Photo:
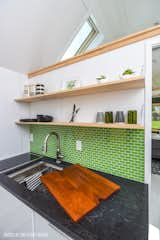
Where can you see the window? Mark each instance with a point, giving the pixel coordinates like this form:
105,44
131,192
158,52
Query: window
156,108
83,39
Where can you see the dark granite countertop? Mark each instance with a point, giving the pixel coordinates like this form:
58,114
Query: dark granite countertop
124,216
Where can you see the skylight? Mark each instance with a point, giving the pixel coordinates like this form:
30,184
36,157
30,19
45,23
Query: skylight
83,39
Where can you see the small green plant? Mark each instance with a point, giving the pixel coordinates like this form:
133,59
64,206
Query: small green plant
71,84
101,77
127,72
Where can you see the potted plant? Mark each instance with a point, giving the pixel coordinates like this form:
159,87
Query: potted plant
71,84
128,73
101,78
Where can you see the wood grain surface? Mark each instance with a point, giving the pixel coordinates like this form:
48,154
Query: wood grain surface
78,190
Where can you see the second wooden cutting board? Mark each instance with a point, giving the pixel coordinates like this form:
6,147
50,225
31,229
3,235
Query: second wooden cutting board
78,189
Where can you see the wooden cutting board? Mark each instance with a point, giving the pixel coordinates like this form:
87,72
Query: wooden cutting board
78,190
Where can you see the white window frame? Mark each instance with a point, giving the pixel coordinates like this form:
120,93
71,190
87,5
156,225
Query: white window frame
88,40
93,34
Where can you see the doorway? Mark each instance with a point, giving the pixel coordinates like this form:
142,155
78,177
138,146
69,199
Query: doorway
154,213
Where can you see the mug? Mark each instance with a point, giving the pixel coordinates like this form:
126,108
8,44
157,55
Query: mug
100,117
108,117
132,117
119,117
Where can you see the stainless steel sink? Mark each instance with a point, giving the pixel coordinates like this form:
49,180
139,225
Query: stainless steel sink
30,175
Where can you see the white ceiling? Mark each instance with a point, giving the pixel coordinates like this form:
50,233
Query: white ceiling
36,33
118,18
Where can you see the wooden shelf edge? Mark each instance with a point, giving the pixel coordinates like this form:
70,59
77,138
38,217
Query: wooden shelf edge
116,85
156,96
156,89
155,104
155,130
84,124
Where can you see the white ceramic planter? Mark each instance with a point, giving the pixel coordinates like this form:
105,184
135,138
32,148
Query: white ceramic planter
101,81
128,76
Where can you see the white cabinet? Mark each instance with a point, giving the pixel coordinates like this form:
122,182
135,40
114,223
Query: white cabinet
16,219
44,230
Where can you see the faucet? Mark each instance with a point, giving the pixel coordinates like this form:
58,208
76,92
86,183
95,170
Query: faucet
59,157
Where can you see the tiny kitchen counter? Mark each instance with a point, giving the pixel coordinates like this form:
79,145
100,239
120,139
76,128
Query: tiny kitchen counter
124,216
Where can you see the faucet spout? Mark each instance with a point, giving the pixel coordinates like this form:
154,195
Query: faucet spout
59,157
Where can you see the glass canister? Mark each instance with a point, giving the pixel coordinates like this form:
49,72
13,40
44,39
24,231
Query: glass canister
108,117
132,117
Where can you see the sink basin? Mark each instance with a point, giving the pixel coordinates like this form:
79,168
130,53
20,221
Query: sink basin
30,175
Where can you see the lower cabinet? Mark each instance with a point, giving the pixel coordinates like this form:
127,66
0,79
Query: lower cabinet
44,230
17,221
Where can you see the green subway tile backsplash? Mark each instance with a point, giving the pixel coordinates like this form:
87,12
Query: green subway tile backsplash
116,151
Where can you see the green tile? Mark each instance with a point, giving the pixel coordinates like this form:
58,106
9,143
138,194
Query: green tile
115,151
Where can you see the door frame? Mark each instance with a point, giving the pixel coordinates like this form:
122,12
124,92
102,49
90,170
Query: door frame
149,45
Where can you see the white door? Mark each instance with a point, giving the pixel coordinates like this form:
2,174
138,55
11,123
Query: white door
16,219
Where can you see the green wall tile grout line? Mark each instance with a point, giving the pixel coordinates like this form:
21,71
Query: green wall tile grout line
116,151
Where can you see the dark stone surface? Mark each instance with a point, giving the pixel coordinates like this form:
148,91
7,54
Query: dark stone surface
124,216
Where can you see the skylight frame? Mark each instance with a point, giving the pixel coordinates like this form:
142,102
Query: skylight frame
70,52
92,35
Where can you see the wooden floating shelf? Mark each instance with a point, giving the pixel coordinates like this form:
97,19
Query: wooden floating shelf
155,130
156,96
117,85
156,89
78,124
155,104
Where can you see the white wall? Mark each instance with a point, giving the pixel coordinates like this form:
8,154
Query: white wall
110,64
13,139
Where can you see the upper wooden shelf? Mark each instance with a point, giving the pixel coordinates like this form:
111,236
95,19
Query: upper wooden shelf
156,89
85,124
156,96
117,85
155,104
155,130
